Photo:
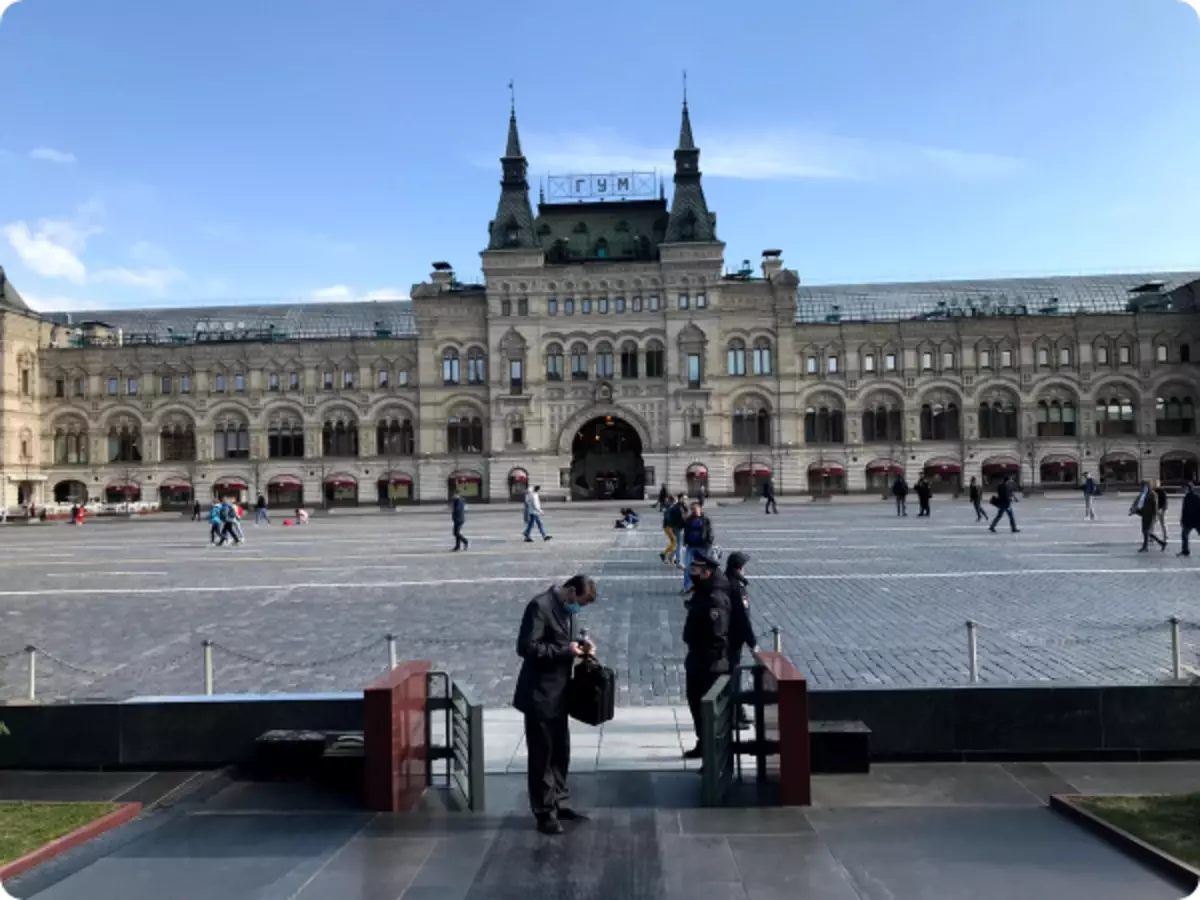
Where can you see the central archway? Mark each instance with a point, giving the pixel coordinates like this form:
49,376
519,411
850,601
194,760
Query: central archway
606,461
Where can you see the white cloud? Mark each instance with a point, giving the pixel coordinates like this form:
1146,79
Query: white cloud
151,279
5,5
343,293
55,304
772,155
45,252
1194,4
49,154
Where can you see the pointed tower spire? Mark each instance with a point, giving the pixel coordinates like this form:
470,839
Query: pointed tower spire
513,226
690,219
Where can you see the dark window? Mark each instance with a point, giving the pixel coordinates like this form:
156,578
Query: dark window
394,437
696,429
294,381
516,375
231,442
518,435
939,423
552,307
285,440
602,306
464,434
273,381
185,384
178,443
695,370
125,445
1055,419
348,380
383,379
60,387
1175,416
637,304
579,363
506,307
166,384
80,387
554,363
450,367
751,428
523,306
339,439
112,387
824,426
1115,416
619,304
585,306
239,383
629,361
1185,353
475,368
604,361
656,361
997,421
882,424
569,307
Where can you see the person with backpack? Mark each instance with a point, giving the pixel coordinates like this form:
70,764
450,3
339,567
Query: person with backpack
697,539
216,524
229,524
533,514
1189,515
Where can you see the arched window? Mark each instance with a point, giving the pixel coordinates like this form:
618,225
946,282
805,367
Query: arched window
394,437
339,437
883,423
125,443
579,362
939,422
1174,416
751,426
1056,418
997,420
231,440
823,425
604,360
450,366
285,439
71,445
656,360
762,357
629,360
476,366
737,358
1115,415
178,441
554,362
464,433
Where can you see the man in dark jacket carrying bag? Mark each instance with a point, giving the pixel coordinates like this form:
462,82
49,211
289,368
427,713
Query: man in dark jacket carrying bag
547,643
706,633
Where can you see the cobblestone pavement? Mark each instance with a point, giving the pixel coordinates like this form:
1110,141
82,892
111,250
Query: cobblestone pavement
861,597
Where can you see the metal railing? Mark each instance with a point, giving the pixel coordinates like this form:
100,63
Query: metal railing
463,750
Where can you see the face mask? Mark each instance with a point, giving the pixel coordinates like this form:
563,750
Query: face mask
572,608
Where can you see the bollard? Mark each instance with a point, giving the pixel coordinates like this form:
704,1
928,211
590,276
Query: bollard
972,652
776,639
31,652
207,646
391,647
1176,650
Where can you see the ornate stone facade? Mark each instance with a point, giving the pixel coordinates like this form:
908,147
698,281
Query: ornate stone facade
591,311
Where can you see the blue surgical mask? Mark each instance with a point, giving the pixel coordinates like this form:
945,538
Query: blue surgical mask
572,608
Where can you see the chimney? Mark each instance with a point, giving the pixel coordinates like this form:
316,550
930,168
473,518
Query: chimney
443,275
772,264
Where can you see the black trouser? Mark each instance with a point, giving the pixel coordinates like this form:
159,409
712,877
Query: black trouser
459,540
979,513
901,506
1184,531
924,502
549,744
771,507
215,534
227,532
698,684
1148,534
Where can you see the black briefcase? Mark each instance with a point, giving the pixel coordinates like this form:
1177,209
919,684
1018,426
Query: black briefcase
592,695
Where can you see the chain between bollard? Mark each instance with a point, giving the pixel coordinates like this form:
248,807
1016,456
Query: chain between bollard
972,652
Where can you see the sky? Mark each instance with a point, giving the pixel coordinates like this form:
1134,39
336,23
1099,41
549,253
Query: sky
162,152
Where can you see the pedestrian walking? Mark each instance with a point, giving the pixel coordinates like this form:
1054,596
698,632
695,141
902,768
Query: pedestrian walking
533,513
1189,514
1160,494
697,539
924,492
3,514
663,497
196,511
668,510
1089,497
769,496
216,525
458,517
706,634
741,629
678,520
900,492
1003,501
260,510
1146,506
976,495
229,529
548,647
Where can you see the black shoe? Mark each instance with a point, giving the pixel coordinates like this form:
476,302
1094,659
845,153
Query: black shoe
547,537
570,814
1143,550
694,753
550,825
663,557
992,530
529,540
1016,531
1183,553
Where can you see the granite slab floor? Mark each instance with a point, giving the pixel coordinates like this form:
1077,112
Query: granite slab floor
904,832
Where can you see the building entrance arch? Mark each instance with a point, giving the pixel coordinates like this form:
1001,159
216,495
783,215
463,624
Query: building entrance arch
606,460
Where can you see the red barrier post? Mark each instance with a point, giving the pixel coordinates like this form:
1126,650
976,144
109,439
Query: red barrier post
795,750
396,758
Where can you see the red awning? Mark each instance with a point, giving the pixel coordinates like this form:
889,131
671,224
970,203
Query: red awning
756,470
231,484
466,478
944,468
125,488
697,471
989,467
1060,464
341,482
829,469
174,484
285,481
885,468
396,479
519,476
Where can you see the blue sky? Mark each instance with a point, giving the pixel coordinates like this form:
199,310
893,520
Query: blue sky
158,152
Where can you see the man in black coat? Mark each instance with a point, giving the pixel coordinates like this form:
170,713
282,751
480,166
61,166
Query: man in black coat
900,492
924,492
549,648
769,496
706,634
741,629
1004,500
1189,516
458,518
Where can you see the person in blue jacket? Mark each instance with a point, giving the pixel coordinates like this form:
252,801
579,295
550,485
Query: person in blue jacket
458,515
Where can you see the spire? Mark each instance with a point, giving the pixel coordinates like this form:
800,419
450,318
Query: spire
513,226
690,219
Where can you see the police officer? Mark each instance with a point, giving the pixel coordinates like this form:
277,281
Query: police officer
706,634
741,630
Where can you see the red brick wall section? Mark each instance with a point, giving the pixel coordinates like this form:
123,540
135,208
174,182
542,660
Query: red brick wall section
394,736
795,751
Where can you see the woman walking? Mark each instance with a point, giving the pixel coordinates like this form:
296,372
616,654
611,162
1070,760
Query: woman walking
1146,505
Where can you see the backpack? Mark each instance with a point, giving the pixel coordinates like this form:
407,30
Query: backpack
693,531
227,514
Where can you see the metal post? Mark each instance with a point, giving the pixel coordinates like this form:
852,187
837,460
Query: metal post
1176,650
972,652
776,639
391,648
207,646
31,653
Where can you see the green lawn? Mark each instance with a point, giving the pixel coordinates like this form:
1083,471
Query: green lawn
1170,823
26,826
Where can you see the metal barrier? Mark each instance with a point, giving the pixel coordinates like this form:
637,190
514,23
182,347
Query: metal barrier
717,738
463,750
